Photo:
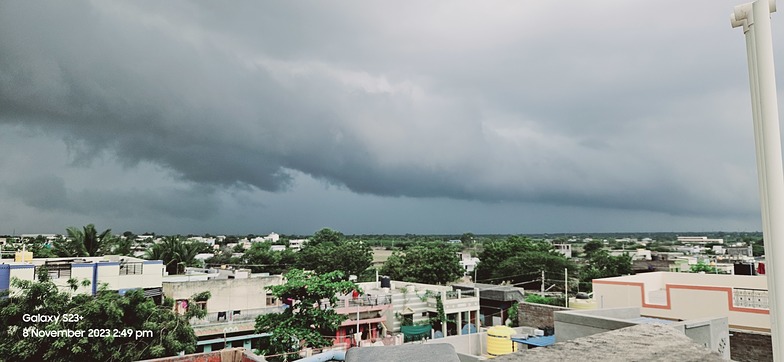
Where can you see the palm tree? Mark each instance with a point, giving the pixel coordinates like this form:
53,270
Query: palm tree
173,251
84,242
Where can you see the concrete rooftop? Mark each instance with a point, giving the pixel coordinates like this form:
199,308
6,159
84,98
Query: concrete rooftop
645,342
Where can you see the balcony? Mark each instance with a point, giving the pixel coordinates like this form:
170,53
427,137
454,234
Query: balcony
363,304
454,301
234,317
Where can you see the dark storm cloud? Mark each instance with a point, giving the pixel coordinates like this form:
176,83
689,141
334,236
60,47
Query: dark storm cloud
48,193
591,106
45,193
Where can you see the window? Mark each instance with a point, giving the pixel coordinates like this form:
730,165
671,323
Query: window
408,319
131,268
201,305
181,306
55,270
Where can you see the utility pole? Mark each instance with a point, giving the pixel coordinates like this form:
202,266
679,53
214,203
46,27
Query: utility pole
754,17
543,283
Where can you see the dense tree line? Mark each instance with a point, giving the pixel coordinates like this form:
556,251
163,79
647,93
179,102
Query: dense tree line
519,261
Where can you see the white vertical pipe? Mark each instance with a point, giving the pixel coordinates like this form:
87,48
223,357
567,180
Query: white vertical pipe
566,286
755,18
773,171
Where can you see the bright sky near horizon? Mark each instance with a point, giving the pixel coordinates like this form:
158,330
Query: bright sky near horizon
376,117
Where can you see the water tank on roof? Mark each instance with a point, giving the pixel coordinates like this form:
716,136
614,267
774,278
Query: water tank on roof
499,341
23,256
386,282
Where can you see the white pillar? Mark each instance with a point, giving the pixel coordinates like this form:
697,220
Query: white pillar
755,19
459,323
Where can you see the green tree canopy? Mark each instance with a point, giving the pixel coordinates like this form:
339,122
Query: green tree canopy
261,259
519,260
39,247
702,267
603,265
170,333
330,252
325,235
433,264
591,247
305,323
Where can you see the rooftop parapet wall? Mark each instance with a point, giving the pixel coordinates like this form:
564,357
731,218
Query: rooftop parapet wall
742,299
657,280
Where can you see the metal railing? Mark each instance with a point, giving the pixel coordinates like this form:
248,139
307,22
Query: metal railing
55,271
454,294
364,301
132,268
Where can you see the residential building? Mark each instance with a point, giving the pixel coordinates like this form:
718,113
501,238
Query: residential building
272,237
209,241
258,239
468,262
387,305
494,301
682,264
699,240
120,273
297,244
565,249
690,249
367,317
743,299
637,254
237,298
49,237
739,251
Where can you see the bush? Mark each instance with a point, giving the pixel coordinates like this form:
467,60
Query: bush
538,299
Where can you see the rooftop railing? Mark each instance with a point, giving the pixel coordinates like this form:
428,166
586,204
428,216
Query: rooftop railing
364,301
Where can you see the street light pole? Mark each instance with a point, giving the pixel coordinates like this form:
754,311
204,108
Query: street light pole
755,19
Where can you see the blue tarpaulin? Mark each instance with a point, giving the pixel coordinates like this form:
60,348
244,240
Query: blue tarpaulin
543,341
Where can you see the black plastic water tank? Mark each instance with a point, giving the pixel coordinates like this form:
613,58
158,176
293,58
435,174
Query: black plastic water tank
386,282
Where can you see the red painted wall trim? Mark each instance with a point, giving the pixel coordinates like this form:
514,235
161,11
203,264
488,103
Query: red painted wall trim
669,287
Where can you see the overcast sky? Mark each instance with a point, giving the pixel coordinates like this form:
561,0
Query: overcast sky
376,117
